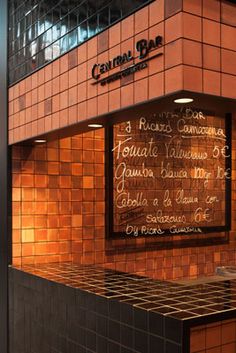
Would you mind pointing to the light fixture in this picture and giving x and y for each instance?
(183, 100)
(95, 125)
(40, 141)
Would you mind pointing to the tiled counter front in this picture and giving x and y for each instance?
(66, 308)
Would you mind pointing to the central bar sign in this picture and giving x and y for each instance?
(170, 174)
(143, 48)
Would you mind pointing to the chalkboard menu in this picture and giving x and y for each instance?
(169, 174)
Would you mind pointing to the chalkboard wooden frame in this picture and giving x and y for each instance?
(110, 234)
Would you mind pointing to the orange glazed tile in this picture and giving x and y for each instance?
(41, 76)
(173, 53)
(63, 116)
(103, 104)
(174, 79)
(228, 35)
(192, 27)
(193, 6)
(63, 63)
(211, 82)
(211, 32)
(228, 13)
(63, 100)
(192, 53)
(211, 57)
(73, 77)
(72, 95)
(55, 68)
(64, 81)
(72, 114)
(211, 9)
(103, 42)
(82, 53)
(92, 46)
(28, 84)
(228, 332)
(114, 35)
(48, 72)
(228, 60)
(156, 12)
(114, 100)
(141, 90)
(228, 86)
(192, 79)
(92, 107)
(127, 28)
(173, 28)
(213, 336)
(82, 111)
(127, 95)
(172, 7)
(141, 18)
(82, 72)
(82, 92)
(228, 348)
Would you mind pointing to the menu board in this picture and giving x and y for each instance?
(170, 174)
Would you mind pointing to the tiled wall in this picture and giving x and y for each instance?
(199, 55)
(58, 199)
(219, 337)
(58, 214)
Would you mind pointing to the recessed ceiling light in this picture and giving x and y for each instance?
(40, 141)
(95, 125)
(183, 100)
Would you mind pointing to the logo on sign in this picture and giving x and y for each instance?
(143, 48)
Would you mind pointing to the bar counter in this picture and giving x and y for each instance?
(69, 308)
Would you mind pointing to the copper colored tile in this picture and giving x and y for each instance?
(92, 107)
(173, 28)
(211, 32)
(22, 102)
(127, 28)
(48, 72)
(211, 9)
(103, 41)
(72, 59)
(211, 57)
(72, 114)
(82, 53)
(192, 27)
(64, 81)
(173, 53)
(193, 6)
(172, 7)
(141, 20)
(92, 47)
(127, 95)
(192, 79)
(228, 35)
(228, 86)
(228, 13)
(73, 77)
(228, 60)
(114, 34)
(63, 63)
(192, 53)
(114, 99)
(48, 106)
(103, 104)
(41, 76)
(211, 82)
(156, 12)
(174, 79)
(141, 90)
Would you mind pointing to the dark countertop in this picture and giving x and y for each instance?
(189, 301)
